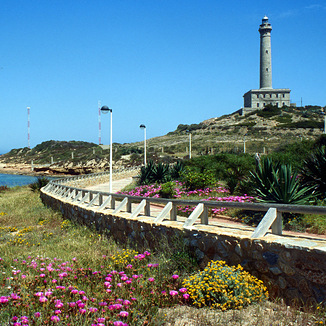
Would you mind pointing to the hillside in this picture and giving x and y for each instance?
(263, 131)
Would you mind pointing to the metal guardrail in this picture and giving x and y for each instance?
(102, 201)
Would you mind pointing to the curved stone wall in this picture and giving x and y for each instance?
(292, 269)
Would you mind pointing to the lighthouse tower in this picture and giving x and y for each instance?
(266, 94)
(265, 54)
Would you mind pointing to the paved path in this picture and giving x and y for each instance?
(225, 223)
(117, 185)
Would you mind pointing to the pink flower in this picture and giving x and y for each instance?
(118, 323)
(55, 319)
(72, 304)
(151, 279)
(43, 299)
(37, 314)
(186, 296)
(81, 305)
(175, 276)
(102, 303)
(57, 312)
(123, 313)
(14, 296)
(82, 311)
(92, 309)
(173, 293)
(183, 290)
(100, 320)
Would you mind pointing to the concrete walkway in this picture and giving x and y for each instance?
(117, 185)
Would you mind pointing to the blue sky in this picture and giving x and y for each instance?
(154, 62)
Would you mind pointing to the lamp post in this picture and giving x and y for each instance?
(144, 127)
(323, 113)
(244, 143)
(105, 110)
(188, 131)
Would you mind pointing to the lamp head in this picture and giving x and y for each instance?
(105, 109)
(142, 126)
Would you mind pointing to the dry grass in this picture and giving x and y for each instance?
(263, 314)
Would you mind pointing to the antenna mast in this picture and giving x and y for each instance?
(28, 127)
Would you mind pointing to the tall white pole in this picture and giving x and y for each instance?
(28, 127)
(111, 151)
(145, 159)
(324, 123)
(244, 143)
(189, 144)
(99, 122)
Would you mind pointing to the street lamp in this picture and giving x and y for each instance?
(188, 131)
(144, 127)
(105, 110)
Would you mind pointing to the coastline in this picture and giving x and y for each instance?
(26, 169)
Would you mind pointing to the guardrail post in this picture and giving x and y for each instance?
(129, 202)
(173, 212)
(112, 206)
(204, 216)
(100, 200)
(277, 225)
(147, 208)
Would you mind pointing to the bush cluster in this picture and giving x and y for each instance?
(224, 287)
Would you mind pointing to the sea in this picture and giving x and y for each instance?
(12, 180)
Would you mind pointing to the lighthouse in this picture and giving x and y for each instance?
(256, 99)
(265, 54)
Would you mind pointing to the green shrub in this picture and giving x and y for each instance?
(194, 180)
(40, 183)
(224, 287)
(168, 190)
(3, 188)
(269, 111)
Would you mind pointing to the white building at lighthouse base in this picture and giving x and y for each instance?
(256, 99)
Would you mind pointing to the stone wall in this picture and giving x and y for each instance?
(292, 272)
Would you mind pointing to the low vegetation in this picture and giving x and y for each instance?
(54, 272)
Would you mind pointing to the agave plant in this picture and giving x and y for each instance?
(161, 173)
(176, 170)
(313, 172)
(39, 183)
(278, 183)
(146, 172)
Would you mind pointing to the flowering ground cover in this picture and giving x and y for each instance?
(53, 272)
(122, 291)
(220, 194)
